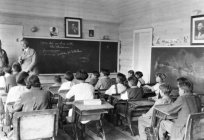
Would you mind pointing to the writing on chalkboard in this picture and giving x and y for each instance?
(59, 52)
(60, 44)
(60, 55)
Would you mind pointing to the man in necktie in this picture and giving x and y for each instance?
(28, 59)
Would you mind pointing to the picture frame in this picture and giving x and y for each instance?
(197, 30)
(73, 27)
(91, 33)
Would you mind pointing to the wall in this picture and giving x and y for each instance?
(170, 19)
(47, 13)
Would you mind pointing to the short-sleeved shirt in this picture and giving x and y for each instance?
(65, 86)
(15, 93)
(81, 91)
(112, 90)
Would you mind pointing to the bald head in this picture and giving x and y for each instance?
(200, 26)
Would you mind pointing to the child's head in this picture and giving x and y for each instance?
(95, 74)
(69, 76)
(81, 75)
(131, 73)
(183, 79)
(165, 90)
(2, 72)
(105, 72)
(16, 67)
(57, 79)
(121, 78)
(160, 77)
(132, 81)
(7, 69)
(138, 74)
(22, 78)
(34, 81)
(185, 88)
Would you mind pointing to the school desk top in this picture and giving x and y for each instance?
(80, 105)
(142, 103)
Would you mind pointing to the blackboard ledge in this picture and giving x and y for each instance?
(71, 39)
(52, 74)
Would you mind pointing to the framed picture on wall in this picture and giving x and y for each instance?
(197, 30)
(73, 27)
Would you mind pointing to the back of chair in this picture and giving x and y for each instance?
(35, 124)
(195, 127)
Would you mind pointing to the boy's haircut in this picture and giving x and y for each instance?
(131, 72)
(133, 81)
(165, 88)
(96, 73)
(81, 75)
(16, 66)
(21, 78)
(139, 73)
(162, 76)
(181, 79)
(187, 86)
(2, 72)
(105, 72)
(122, 78)
(69, 76)
(7, 69)
(57, 78)
(34, 81)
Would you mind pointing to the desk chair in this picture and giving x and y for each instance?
(35, 124)
(195, 127)
(131, 111)
(202, 100)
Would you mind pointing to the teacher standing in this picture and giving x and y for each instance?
(3, 58)
(28, 58)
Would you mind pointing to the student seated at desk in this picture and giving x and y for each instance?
(11, 79)
(145, 120)
(131, 73)
(34, 99)
(139, 75)
(57, 81)
(67, 85)
(185, 104)
(16, 92)
(133, 92)
(175, 92)
(2, 83)
(94, 78)
(82, 90)
(118, 88)
(104, 81)
(160, 79)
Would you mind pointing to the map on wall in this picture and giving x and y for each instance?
(177, 62)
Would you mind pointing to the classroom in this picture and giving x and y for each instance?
(101, 69)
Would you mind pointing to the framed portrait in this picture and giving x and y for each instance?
(197, 30)
(73, 27)
(91, 33)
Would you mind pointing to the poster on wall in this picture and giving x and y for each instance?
(197, 30)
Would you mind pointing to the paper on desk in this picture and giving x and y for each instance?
(92, 102)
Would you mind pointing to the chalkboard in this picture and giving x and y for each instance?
(60, 55)
(109, 56)
(177, 62)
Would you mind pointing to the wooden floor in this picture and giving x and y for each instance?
(111, 133)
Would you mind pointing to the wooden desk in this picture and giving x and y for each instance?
(141, 103)
(89, 113)
(159, 114)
